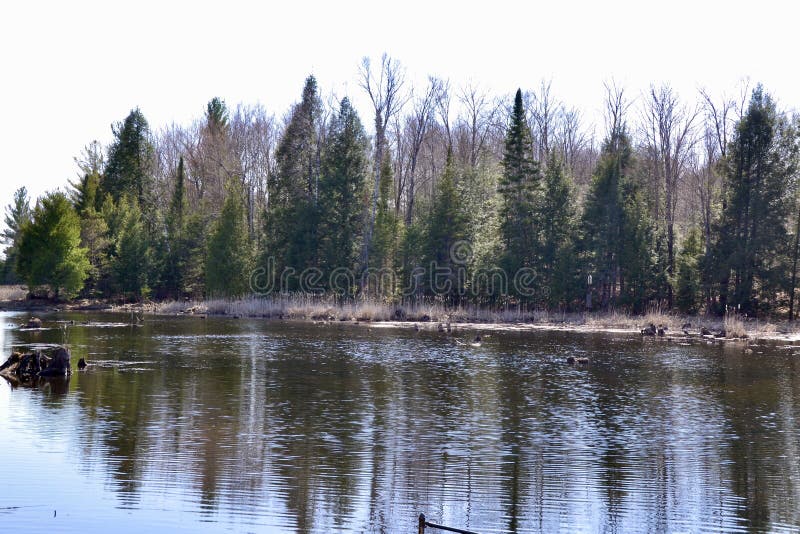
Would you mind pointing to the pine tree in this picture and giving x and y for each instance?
(760, 169)
(18, 213)
(446, 238)
(49, 248)
(128, 170)
(85, 193)
(384, 256)
(688, 296)
(616, 230)
(292, 217)
(557, 215)
(176, 247)
(343, 192)
(519, 189)
(229, 259)
(131, 261)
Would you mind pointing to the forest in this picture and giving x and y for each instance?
(450, 194)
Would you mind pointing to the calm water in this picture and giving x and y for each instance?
(223, 425)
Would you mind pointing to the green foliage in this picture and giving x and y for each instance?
(95, 239)
(342, 198)
(18, 213)
(519, 191)
(175, 263)
(617, 232)
(385, 253)
(688, 296)
(129, 167)
(760, 171)
(217, 114)
(85, 195)
(229, 259)
(291, 222)
(132, 257)
(446, 231)
(557, 215)
(49, 248)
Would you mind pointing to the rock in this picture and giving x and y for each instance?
(82, 364)
(705, 331)
(571, 360)
(33, 322)
(649, 330)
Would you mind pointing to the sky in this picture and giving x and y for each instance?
(68, 70)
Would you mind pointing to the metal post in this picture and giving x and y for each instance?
(421, 523)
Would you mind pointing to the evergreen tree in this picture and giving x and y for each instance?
(384, 256)
(446, 236)
(49, 248)
(131, 261)
(129, 167)
(85, 195)
(760, 169)
(688, 296)
(95, 239)
(195, 246)
(18, 213)
(229, 259)
(292, 218)
(519, 189)
(176, 255)
(616, 230)
(343, 191)
(557, 229)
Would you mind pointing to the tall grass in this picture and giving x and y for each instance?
(734, 325)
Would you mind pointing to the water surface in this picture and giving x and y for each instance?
(226, 425)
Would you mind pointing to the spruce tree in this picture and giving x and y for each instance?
(128, 170)
(132, 258)
(49, 248)
(519, 189)
(446, 238)
(384, 256)
(557, 215)
(617, 233)
(342, 196)
(688, 296)
(292, 217)
(229, 258)
(18, 213)
(759, 172)
(176, 254)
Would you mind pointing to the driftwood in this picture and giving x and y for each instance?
(25, 369)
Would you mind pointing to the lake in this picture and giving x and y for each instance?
(183, 424)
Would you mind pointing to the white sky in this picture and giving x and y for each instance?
(69, 69)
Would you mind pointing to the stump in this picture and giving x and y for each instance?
(33, 322)
(25, 368)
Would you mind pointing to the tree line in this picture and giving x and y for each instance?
(688, 207)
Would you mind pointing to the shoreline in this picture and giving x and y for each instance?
(430, 317)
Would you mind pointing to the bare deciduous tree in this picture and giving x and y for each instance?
(385, 92)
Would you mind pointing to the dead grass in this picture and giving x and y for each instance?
(13, 292)
(326, 308)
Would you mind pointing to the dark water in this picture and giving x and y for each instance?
(223, 425)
